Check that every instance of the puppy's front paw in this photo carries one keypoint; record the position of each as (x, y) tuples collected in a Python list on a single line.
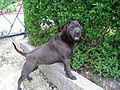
[(73, 77)]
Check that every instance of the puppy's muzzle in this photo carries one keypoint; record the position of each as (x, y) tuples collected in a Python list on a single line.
[(77, 34)]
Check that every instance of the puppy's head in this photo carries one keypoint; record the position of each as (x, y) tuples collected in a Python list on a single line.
[(73, 29)]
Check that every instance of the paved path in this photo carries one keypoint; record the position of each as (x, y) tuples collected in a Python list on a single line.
[(11, 64)]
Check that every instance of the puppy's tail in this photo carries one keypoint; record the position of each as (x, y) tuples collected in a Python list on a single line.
[(22, 53)]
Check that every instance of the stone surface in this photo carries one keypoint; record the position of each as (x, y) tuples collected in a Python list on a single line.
[(11, 63)]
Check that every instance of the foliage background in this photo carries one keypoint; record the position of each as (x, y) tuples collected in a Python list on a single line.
[(4, 3), (99, 48)]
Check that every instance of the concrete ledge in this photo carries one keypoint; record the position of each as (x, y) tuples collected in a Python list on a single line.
[(55, 73)]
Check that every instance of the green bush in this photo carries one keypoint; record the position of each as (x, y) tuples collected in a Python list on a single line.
[(11, 8), (4, 3), (99, 49)]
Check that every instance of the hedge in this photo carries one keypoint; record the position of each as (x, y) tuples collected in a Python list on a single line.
[(99, 49), (4, 3)]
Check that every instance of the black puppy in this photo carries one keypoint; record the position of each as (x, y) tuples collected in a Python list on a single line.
[(58, 49)]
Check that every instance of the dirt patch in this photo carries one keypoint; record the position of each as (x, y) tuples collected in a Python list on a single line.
[(106, 83)]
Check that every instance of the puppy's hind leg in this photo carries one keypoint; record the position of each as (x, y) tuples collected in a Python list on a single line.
[(30, 78), (27, 69), (22, 77)]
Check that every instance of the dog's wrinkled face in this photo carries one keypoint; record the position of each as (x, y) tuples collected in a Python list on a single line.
[(74, 30)]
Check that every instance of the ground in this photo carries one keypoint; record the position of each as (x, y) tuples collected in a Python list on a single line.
[(11, 64), (106, 83)]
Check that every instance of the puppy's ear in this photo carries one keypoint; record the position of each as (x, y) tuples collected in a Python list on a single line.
[(66, 25), (68, 22), (80, 23)]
